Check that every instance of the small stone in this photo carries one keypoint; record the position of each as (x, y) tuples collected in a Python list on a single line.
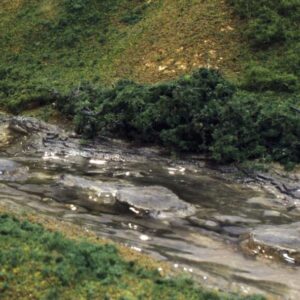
[(235, 231), (207, 224), (233, 220), (262, 201), (271, 213)]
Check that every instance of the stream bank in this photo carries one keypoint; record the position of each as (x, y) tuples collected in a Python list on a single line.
[(203, 219)]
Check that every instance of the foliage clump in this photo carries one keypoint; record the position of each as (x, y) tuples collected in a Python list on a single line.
[(271, 28), (200, 113), (269, 21)]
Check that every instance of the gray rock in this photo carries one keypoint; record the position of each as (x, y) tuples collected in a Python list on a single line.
[(296, 193), (7, 166), (27, 125), (95, 192), (12, 171), (207, 224), (234, 220), (156, 201), (263, 202), (235, 231), (282, 241), (271, 213)]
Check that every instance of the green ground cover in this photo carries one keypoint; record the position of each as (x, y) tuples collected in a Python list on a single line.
[(52, 45), (39, 264), (271, 29)]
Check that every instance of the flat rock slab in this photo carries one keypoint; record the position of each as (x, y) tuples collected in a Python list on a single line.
[(7, 165), (234, 220), (12, 171), (282, 241), (264, 202), (235, 231), (206, 224), (89, 191), (156, 201)]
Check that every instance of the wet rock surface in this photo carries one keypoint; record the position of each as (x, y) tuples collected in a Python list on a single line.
[(234, 220), (155, 201), (207, 224), (12, 171), (182, 211), (288, 187), (282, 241)]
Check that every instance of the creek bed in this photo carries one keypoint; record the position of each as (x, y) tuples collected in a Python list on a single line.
[(182, 211)]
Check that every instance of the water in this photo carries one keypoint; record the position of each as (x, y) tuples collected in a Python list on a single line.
[(211, 254)]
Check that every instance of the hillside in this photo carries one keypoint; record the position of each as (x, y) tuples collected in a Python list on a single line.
[(52, 44), (72, 53)]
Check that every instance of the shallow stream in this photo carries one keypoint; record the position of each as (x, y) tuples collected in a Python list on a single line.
[(44, 170)]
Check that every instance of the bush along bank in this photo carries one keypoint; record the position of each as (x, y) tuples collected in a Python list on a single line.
[(201, 113)]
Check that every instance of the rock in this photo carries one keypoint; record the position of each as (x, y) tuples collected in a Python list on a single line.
[(233, 220), (132, 173), (235, 231), (5, 137), (296, 193), (7, 166), (207, 224), (263, 202), (282, 241), (156, 201), (89, 192), (284, 183), (12, 171), (271, 213), (27, 125)]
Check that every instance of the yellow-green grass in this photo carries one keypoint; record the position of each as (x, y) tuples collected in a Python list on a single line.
[(47, 46), (40, 263)]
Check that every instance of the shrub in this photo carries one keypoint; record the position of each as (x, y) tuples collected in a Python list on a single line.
[(258, 78), (268, 21), (177, 114), (135, 15), (250, 129), (199, 113), (267, 28)]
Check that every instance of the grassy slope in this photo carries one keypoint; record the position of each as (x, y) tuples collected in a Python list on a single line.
[(50, 44), (40, 264)]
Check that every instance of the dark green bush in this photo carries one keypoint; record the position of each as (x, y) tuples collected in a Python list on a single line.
[(267, 28), (272, 29), (178, 114), (258, 78), (252, 8), (198, 113), (135, 15), (269, 21), (250, 129)]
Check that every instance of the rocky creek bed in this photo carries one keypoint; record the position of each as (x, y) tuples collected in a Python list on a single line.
[(227, 229)]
